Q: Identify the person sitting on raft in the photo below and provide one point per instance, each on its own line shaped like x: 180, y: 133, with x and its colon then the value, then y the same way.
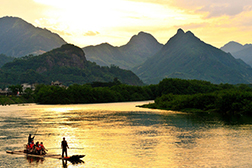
x: 36, y: 149
x: 29, y: 147
x: 42, y: 149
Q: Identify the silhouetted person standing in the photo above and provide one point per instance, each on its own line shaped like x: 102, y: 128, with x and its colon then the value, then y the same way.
x: 64, y: 147
x: 30, y: 139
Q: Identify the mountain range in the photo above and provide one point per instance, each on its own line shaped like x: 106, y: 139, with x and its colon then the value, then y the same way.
x: 140, y: 47
x: 183, y: 56
x: 19, y: 38
x: 243, y: 52
x: 186, y: 56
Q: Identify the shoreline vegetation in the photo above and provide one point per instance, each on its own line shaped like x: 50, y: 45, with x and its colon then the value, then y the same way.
x: 170, y: 94
x: 11, y: 99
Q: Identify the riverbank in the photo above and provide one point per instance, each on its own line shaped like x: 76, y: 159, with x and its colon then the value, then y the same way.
x: 226, y: 102
x: 11, y: 99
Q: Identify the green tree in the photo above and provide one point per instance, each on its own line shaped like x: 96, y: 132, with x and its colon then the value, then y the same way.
x: 16, y: 88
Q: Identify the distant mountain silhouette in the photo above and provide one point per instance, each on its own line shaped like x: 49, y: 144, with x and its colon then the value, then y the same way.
x: 186, y: 56
x: 104, y: 54
x: 245, y: 55
x: 233, y: 47
x: 140, y: 47
x: 19, y: 38
x: 66, y: 64
x: 243, y: 52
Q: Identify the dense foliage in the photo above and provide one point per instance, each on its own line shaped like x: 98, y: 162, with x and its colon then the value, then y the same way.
x: 193, y: 95
x: 170, y: 94
x: 183, y: 87
x: 4, y: 59
x: 226, y: 102
x: 45, y: 94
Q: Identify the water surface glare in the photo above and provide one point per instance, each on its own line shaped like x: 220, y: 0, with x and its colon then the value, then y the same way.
x: 122, y: 135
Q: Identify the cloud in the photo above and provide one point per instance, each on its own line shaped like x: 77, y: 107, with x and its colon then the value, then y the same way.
x: 213, y: 8
x: 191, y: 26
x: 225, y: 8
x: 53, y: 26
x: 91, y: 33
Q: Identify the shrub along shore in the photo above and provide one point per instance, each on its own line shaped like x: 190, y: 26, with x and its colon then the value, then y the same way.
x: 8, y: 100
x: 169, y: 94
x: 231, y: 102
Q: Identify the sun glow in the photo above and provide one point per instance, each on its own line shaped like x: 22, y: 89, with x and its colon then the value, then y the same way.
x: 83, y: 22
x: 98, y: 19
x: 97, y: 14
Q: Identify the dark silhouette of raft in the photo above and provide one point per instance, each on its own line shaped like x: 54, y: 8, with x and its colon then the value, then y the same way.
x: 73, y: 159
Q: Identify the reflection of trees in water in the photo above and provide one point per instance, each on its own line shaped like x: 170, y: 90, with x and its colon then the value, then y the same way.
x: 186, y: 128
x: 152, y: 126
x: 236, y: 119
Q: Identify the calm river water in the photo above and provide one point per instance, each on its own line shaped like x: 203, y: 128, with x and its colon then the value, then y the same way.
x: 121, y: 135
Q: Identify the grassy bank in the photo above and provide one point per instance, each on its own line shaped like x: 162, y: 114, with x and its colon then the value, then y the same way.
x: 7, y: 100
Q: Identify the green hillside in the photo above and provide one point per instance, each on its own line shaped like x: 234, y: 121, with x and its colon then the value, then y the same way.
x: 66, y: 64
x: 4, y: 59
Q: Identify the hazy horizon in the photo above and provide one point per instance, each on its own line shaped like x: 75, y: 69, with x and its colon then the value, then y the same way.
x: 85, y: 23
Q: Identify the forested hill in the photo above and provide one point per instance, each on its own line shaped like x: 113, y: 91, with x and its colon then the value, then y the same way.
x: 19, y: 38
x: 66, y: 64
x: 4, y: 59
x: 187, y: 57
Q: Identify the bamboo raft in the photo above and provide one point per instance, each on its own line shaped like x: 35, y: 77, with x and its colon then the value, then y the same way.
x: 54, y: 156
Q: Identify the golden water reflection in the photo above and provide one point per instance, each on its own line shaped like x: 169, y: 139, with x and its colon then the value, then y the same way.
x: 122, y: 135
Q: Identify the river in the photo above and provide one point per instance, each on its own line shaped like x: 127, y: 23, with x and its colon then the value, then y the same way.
x: 121, y: 135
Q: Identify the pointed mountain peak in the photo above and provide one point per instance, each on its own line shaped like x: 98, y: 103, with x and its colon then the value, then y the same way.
x: 180, y: 31
x: 189, y: 33
x: 142, y: 37
x: 182, y: 37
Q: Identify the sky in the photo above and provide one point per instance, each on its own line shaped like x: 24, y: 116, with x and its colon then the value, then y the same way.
x: 92, y: 22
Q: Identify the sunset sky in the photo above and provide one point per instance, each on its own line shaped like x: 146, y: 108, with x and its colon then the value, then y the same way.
x: 91, y: 22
